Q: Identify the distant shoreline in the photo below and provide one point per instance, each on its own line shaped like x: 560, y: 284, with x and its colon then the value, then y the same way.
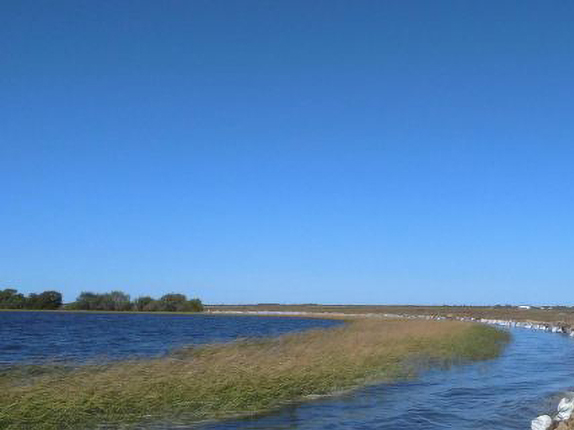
x: 552, y: 316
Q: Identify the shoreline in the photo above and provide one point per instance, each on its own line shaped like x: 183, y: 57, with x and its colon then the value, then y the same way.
x: 563, y: 419
x: 561, y: 328
x: 243, y: 377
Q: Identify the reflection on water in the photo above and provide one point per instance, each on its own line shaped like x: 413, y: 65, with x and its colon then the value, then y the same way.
x: 501, y: 394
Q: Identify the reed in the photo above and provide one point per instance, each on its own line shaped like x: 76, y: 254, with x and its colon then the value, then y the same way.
x: 238, y: 378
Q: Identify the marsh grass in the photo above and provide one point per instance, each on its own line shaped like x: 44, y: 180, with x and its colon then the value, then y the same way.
x: 238, y: 378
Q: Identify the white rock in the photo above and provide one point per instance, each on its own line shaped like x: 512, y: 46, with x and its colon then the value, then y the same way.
x: 543, y: 422
x: 565, y: 409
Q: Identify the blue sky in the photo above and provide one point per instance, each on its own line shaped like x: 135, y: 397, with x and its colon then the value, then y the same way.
x: 289, y: 151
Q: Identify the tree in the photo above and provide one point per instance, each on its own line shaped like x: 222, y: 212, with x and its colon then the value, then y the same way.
x: 51, y: 300
x: 141, y: 303
x: 11, y: 299
x: 45, y: 300
x: 194, y: 305
x: 118, y: 301
x: 87, y: 301
x: 173, y: 302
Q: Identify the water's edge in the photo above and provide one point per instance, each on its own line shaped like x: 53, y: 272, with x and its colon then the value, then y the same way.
x: 565, y: 409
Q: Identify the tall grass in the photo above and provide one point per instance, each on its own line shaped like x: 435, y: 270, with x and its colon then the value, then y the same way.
x: 237, y: 378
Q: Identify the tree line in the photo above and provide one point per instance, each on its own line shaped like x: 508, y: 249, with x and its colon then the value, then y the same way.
x: 119, y: 301
x: 88, y: 301
x: 12, y: 299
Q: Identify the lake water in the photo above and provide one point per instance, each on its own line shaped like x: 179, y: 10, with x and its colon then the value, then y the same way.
x: 36, y: 337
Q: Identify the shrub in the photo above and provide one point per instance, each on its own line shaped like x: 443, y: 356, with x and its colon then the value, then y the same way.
x: 11, y: 299
x: 118, y: 301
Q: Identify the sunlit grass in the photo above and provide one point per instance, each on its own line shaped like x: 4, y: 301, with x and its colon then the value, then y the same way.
x: 237, y: 378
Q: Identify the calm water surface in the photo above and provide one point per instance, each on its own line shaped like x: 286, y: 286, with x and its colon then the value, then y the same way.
x: 501, y: 394
x: 36, y: 337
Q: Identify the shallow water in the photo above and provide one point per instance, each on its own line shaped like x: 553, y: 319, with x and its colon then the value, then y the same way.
x: 501, y: 394
x: 37, y: 337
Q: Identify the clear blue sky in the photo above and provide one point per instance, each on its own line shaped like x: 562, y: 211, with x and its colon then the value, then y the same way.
x: 289, y: 151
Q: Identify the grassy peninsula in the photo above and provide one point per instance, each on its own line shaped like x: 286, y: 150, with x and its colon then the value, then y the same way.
x: 238, y: 378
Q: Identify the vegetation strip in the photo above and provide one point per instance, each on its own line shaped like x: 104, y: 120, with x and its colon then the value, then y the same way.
x: 238, y: 378
x: 547, y: 314
x: 114, y: 301
x: 555, y: 319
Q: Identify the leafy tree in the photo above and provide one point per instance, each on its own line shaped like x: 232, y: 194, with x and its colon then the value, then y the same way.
x: 173, y: 302
x: 45, y: 300
x: 119, y: 301
x: 11, y: 299
x: 88, y: 301
x: 141, y: 303
x: 153, y: 306
x: 195, y: 305
x: 6, y: 294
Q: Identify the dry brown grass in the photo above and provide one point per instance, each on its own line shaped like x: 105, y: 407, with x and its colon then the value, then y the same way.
x: 565, y: 315
x: 237, y: 378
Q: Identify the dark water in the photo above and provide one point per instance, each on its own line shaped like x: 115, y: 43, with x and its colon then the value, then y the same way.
x: 35, y: 337
x: 502, y: 394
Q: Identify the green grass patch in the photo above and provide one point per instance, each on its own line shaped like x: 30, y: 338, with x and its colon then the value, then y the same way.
x: 237, y: 378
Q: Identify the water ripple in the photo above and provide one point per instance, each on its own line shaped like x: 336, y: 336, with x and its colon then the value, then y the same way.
x: 37, y: 337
